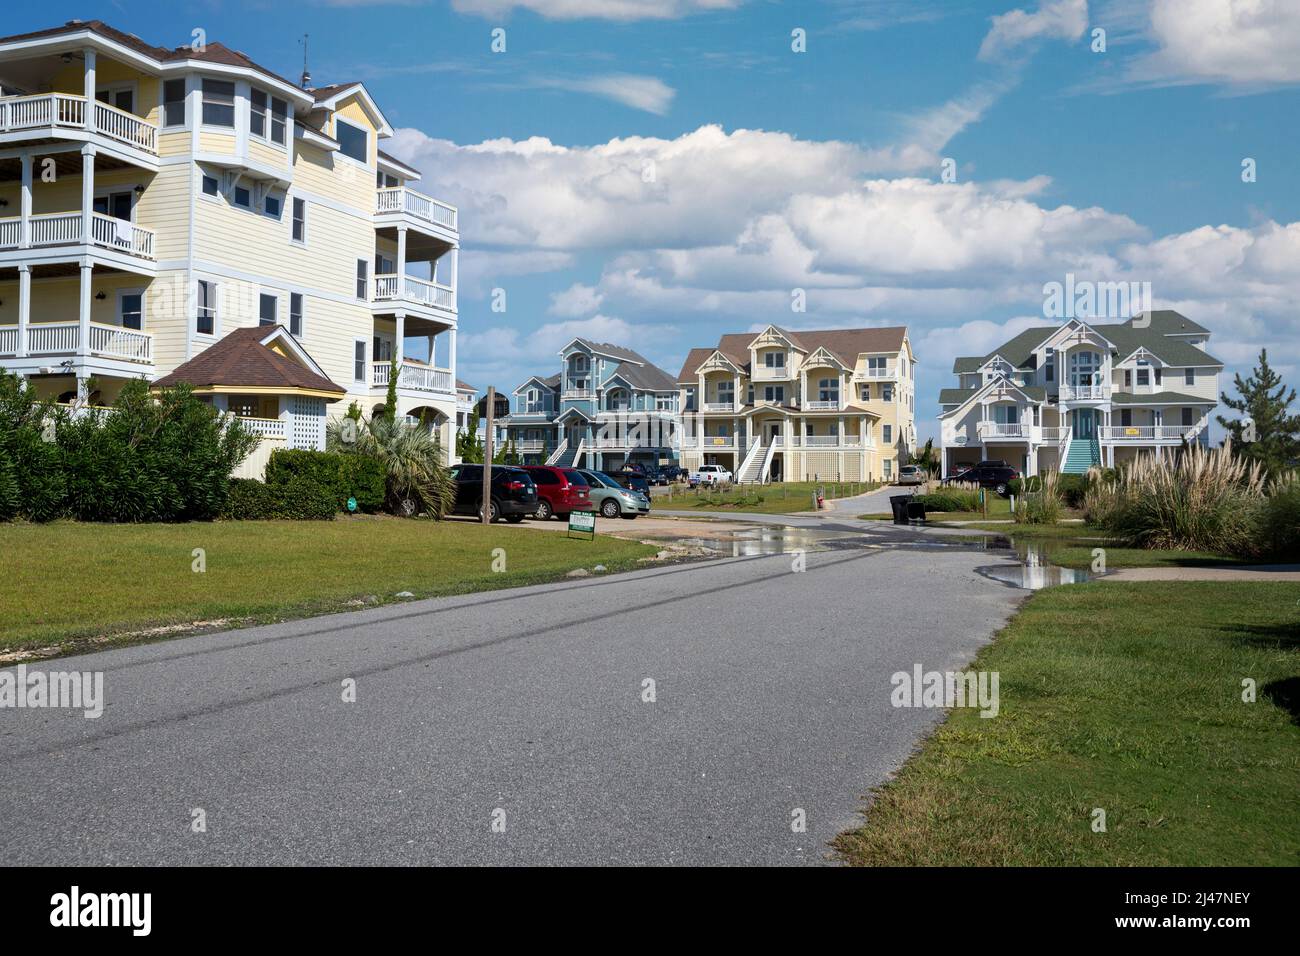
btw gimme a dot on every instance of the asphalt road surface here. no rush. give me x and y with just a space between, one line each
521 707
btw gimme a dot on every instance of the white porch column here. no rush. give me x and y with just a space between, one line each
88 56
433 350
451 355
25 204
455 269
87 190
735 394
83 314
399 342
24 306
401 260
862 431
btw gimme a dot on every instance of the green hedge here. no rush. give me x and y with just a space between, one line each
297 498
344 476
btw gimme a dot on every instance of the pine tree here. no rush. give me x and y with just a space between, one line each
1273 436
390 401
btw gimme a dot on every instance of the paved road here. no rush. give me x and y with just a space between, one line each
772 694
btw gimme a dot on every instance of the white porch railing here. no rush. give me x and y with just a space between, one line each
403 199
533 446
67 111
877 374
820 406
578 394
1142 433
64 229
64 338
720 406
1002 430
1053 434
765 373
266 427
387 288
1084 392
422 378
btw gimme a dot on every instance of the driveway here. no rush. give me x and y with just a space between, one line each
771 697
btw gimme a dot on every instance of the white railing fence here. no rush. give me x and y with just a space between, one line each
404 199
65 110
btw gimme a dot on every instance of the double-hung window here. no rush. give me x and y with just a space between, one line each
174 103
268 306
362 267
257 113
299 219
828 390
218 103
205 316
774 394
887 434
1189 376
295 313
774 360
131 309
359 360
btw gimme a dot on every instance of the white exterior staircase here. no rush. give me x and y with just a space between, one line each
751 469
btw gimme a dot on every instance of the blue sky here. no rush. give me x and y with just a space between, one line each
773 170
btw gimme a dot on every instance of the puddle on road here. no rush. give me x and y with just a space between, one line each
1035 570
767 540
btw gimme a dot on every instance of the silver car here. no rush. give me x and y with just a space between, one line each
611 499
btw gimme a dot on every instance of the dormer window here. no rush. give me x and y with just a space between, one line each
354 142
774 360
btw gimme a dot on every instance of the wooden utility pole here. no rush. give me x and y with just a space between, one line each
488 452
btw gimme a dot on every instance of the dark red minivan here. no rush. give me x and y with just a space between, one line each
559 490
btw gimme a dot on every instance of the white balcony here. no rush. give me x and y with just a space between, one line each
994 430
47 113
1143 434
830 441
534 446
388 288
577 394
64 229
886 374
420 378
764 373
1084 393
720 407
400 199
819 406
64 339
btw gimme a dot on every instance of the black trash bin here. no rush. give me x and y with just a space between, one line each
899 504
915 512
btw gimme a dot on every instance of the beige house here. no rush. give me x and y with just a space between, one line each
156 199
779 405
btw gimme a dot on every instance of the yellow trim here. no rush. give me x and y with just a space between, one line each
265 390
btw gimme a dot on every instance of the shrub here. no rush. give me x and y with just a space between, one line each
1041 503
1281 518
956 497
415 479
163 459
1206 500
299 498
347 476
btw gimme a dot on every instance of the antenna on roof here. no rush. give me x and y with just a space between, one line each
306 74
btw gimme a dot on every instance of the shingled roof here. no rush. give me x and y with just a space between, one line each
243 359
845 344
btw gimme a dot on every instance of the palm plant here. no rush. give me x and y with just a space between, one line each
417 482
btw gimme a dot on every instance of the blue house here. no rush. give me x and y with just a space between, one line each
608 406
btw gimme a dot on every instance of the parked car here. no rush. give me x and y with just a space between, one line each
612 500
514 493
672 473
655 475
911 475
633 482
560 491
712 475
987 474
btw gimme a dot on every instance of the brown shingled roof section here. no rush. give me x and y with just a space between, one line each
214 52
844 344
241 360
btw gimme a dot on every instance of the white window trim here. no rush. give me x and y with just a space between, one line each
291 199
220 197
163 125
252 199
302 315
344 156
364 276
265 137
144 310
274 295
117 87
366 361
216 310
272 194
233 128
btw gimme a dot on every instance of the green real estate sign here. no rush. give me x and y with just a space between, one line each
583 523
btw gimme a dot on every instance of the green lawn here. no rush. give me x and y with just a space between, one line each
1125 697
776 498
998 508
65 582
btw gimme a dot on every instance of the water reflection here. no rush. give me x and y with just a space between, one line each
1036 570
763 540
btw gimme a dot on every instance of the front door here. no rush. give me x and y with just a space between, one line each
1085 422
771 431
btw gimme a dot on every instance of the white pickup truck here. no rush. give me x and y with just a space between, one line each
711 475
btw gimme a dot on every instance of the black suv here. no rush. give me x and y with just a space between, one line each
994 473
514 495
632 481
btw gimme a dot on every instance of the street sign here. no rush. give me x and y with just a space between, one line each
583 524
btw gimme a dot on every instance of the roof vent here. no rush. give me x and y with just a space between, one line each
73 23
